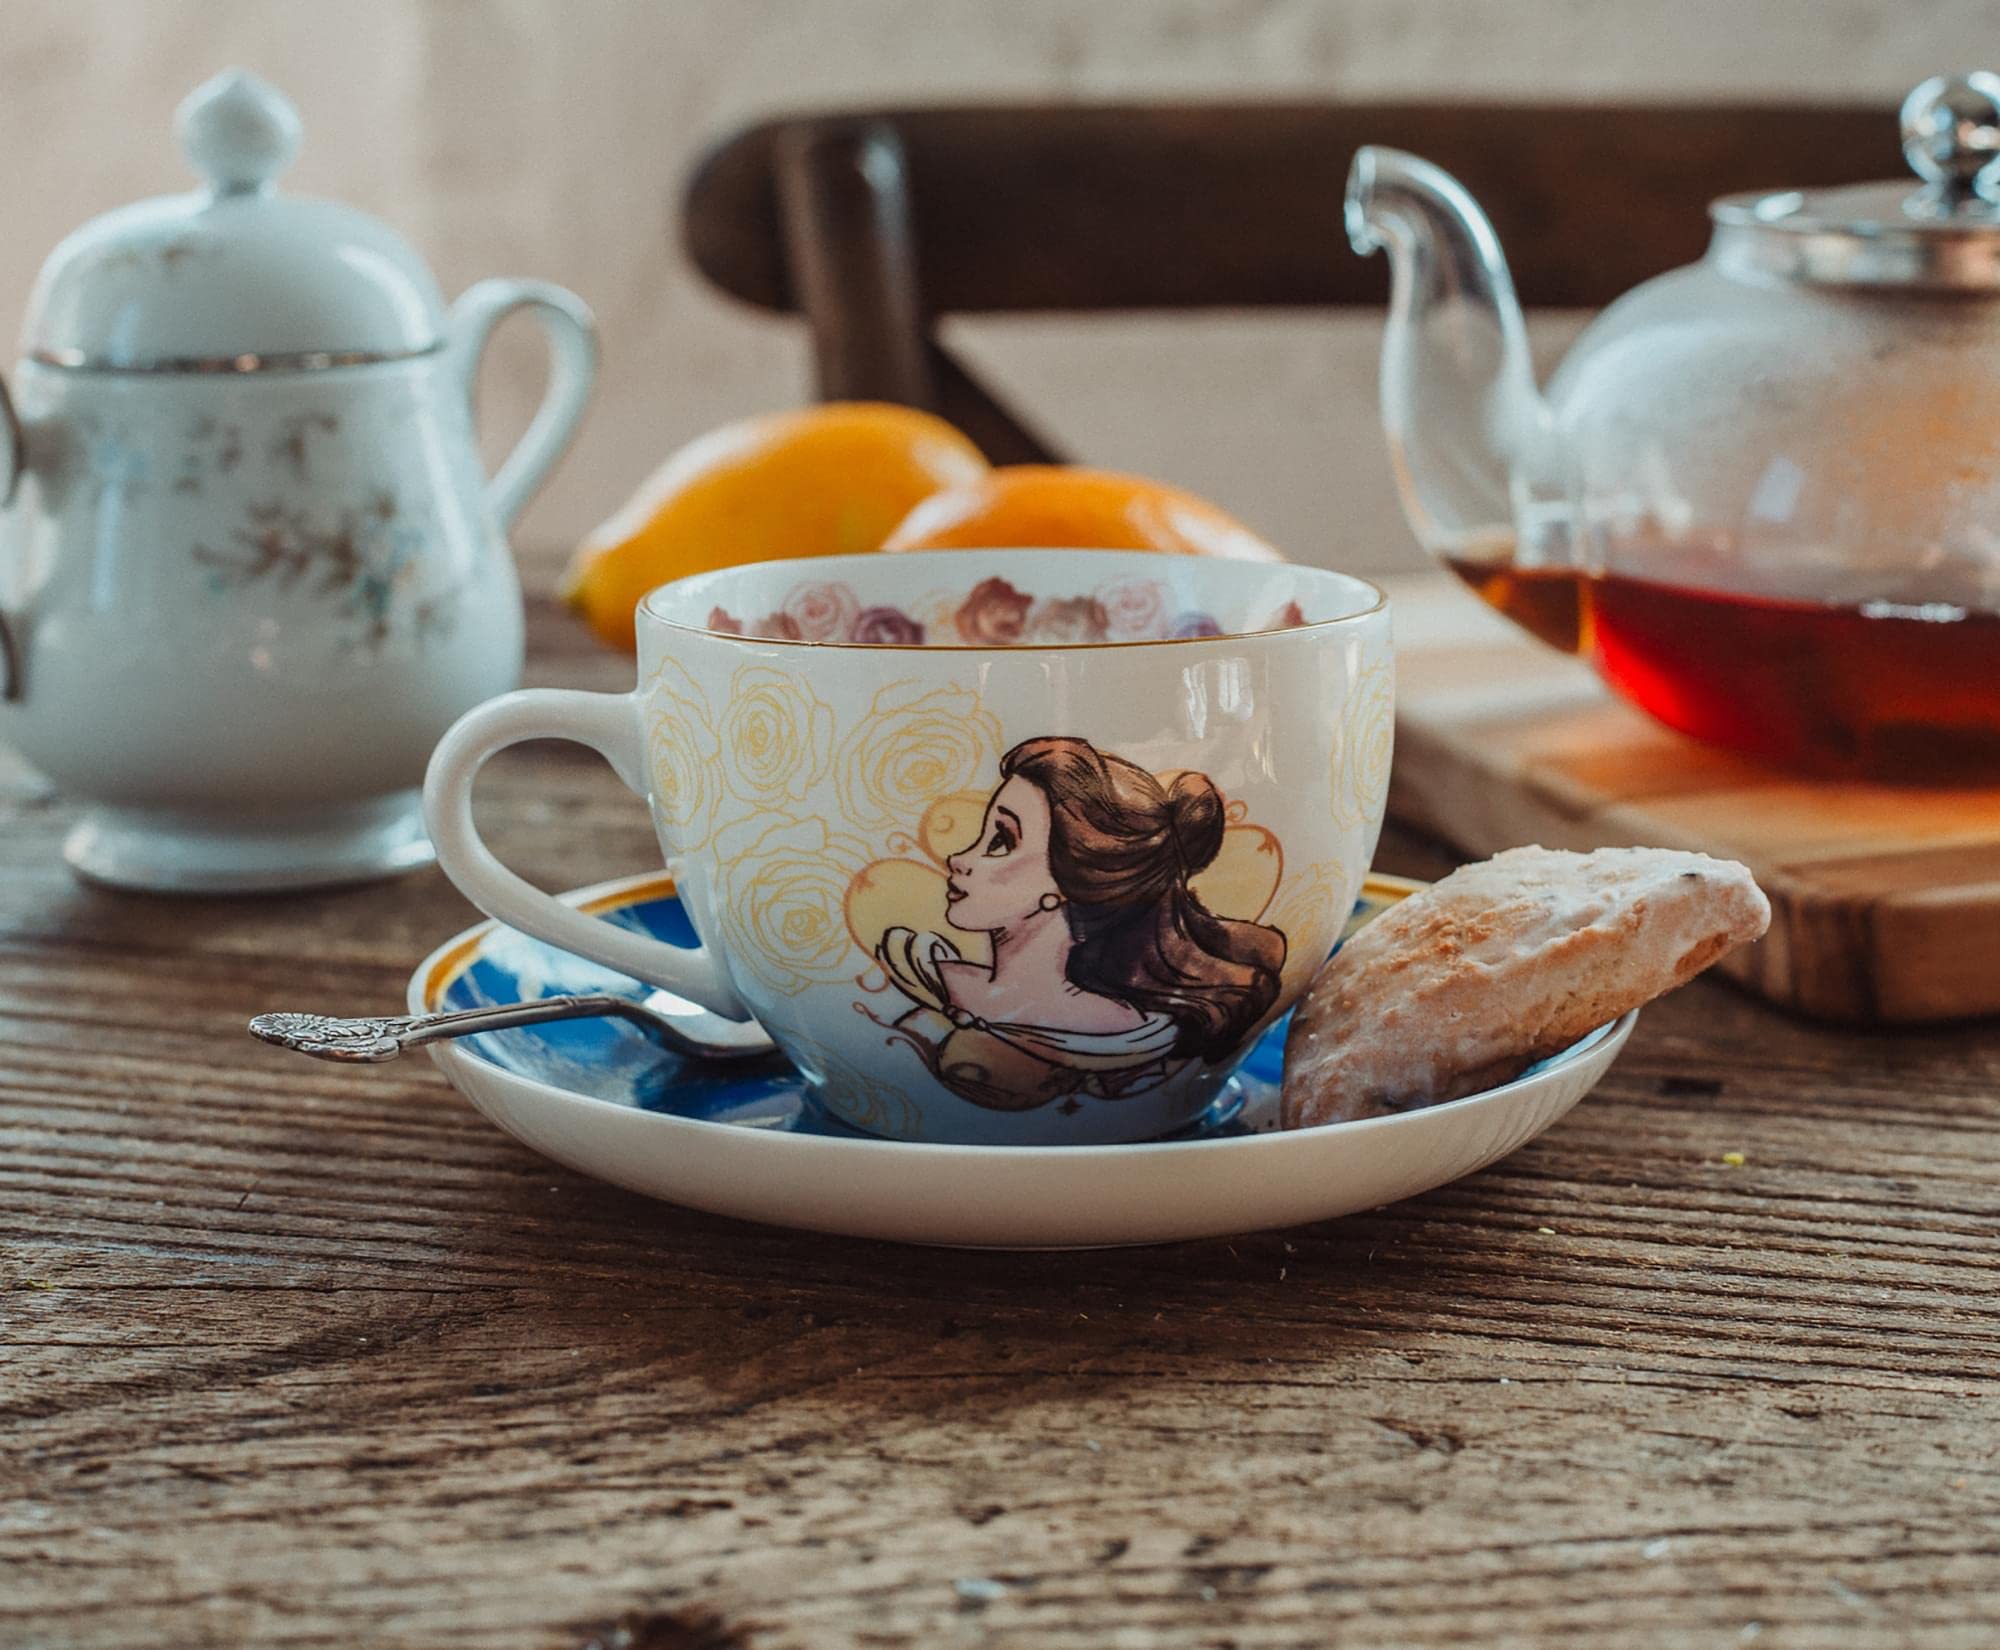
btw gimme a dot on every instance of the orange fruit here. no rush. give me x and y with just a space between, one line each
814 482
1061 506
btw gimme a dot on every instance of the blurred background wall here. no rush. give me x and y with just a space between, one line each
550 138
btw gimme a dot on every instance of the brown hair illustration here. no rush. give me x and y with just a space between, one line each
1122 847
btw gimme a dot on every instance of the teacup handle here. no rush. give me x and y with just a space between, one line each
607 723
572 336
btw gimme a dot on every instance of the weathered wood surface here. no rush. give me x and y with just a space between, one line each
300 1356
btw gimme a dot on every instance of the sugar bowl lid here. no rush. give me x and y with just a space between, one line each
1942 236
238 276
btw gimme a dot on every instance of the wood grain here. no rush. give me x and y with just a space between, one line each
848 245
296 1356
1885 900
1066 206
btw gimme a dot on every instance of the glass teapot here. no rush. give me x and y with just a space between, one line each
1762 492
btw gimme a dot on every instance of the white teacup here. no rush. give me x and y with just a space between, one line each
1013 846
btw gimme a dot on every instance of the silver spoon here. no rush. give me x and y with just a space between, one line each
680 1024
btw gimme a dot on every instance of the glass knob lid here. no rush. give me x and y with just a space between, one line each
1942 237
1951 138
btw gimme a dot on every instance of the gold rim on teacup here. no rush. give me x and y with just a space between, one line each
802 569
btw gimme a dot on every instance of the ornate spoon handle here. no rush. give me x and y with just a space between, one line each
328 1037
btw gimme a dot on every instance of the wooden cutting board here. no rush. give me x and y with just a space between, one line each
1885 902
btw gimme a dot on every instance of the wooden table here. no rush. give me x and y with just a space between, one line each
299 1356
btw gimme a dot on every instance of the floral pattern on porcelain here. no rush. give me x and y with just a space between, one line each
362 562
993 613
686 757
276 504
778 737
1365 744
892 858
835 838
783 889
216 447
829 833
913 746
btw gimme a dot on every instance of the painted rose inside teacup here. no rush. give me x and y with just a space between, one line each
992 613
1012 846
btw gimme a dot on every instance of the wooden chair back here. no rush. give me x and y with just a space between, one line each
876 224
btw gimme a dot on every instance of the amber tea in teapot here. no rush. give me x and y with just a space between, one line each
1762 493
1868 689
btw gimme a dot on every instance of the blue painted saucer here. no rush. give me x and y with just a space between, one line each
742 1138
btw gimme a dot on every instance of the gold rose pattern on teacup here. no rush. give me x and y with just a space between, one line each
686 757
1364 743
781 894
914 746
1312 913
865 854
762 779
993 613
776 736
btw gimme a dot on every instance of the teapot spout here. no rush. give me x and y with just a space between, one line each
1469 434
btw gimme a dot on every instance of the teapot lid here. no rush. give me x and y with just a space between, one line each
1943 236
236 277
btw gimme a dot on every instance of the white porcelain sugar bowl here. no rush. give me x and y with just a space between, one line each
250 564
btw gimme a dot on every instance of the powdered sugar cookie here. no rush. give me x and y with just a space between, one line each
1465 985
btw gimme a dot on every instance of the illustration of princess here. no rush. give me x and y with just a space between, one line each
1108 973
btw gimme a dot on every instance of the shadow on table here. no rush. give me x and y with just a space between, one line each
746 1310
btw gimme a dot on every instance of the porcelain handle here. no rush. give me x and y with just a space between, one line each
607 723
13 460
572 336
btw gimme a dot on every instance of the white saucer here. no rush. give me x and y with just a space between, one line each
599 1097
